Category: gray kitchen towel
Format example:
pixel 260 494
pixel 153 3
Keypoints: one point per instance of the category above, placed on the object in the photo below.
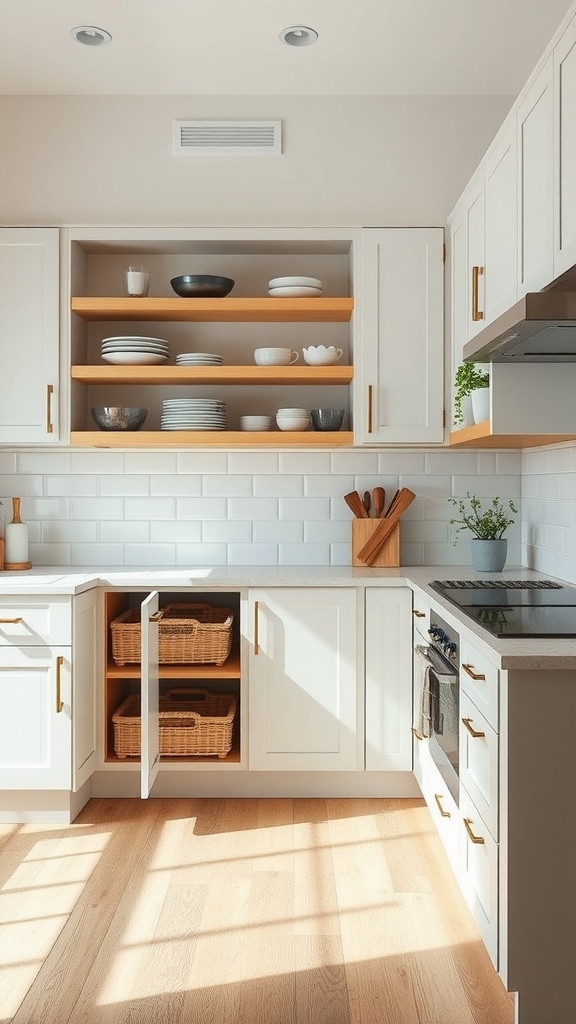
pixel 428 675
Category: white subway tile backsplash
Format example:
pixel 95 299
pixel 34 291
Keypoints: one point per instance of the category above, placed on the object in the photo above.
pixel 411 554
pixel 227 531
pixel 94 462
pixel 51 554
pixel 150 554
pixel 255 508
pixel 227 486
pixel 427 486
pixel 449 463
pixel 58 532
pixel 201 554
pixel 395 463
pixel 179 485
pixel 328 486
pixel 201 508
pixel 41 463
pixel 201 462
pixel 279 530
pixel 152 463
pixel 182 531
pixel 340 554
pixel 257 463
pixel 304 508
pixel 68 486
pixel 252 554
pixel 279 486
pixel 97 554
pixel 487 486
pixel 97 508
pixel 307 463
pixel 124 531
pixel 150 508
pixel 487 464
pixel 22 487
pixel 423 531
pixel 507 463
pixel 304 554
pixel 8 463
pixel 335 531
pixel 353 463
pixel 45 508
pixel 125 485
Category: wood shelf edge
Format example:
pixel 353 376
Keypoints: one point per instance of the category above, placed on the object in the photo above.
pixel 281 375
pixel 226 310
pixel 211 439
pixel 480 436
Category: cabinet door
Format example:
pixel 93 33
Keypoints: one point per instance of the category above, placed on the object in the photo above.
pixel 535 142
pixel 460 289
pixel 500 192
pixel 478 873
pixel 565 150
pixel 85 671
pixel 303 680
pixel 150 675
pixel 29 271
pixel 399 378
pixel 35 724
pixel 476 261
pixel 389 679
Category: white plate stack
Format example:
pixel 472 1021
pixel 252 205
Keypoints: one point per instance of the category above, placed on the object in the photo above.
pixel 193 414
pixel 135 351
pixel 198 359
pixel 294 287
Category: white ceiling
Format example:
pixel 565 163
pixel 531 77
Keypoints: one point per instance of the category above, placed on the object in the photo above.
pixel 231 47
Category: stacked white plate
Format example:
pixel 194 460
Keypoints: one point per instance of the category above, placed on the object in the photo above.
pixel 198 359
pixel 193 414
pixel 135 350
pixel 294 287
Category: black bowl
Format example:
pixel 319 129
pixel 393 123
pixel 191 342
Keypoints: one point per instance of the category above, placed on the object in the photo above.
pixel 194 286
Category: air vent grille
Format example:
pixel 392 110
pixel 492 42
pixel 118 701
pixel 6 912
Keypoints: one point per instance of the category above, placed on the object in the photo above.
pixel 227 137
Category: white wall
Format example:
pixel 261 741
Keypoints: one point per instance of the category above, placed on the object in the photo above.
pixel 549 510
pixel 347 160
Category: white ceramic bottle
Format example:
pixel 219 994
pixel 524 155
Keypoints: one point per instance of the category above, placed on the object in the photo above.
pixel 16 541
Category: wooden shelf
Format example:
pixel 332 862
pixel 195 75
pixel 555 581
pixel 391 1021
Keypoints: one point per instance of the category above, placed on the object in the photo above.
pixel 227 310
pixel 212 438
pixel 212 374
pixel 480 436
pixel 230 670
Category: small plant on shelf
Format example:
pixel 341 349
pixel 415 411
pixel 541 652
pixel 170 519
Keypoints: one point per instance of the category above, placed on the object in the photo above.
pixel 467 378
pixel 486 524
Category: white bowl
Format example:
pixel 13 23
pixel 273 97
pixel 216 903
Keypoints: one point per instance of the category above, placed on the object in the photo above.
pixel 321 355
pixel 295 291
pixel 292 422
pixel 274 356
pixel 255 422
pixel 299 413
pixel 295 282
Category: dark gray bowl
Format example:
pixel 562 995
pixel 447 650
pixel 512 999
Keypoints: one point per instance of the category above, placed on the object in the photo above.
pixel 194 286
pixel 327 419
pixel 121 417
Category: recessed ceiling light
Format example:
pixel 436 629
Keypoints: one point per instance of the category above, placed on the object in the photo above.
pixel 89 35
pixel 298 35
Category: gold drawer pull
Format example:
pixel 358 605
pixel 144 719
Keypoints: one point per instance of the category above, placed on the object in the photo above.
pixel 443 812
pixel 256 641
pixel 417 733
pixel 470 671
pixel 49 394
pixel 471 836
pixel 473 732
pixel 59 702
pixel 369 408
pixel 419 615
pixel 477 314
pixel 11 622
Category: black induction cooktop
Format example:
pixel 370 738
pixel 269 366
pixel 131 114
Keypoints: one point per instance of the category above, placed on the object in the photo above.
pixel 515 608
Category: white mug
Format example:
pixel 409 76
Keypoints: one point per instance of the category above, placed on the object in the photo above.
pixel 320 355
pixel 275 356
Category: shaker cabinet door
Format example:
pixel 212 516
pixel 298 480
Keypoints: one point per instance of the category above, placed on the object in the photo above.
pixel 29 327
pixel 399 379
pixel 565 150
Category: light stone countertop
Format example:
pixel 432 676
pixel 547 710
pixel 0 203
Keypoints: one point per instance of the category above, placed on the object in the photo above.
pixel 537 654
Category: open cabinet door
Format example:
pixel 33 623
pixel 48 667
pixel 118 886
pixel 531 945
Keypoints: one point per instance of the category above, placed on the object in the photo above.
pixel 149 721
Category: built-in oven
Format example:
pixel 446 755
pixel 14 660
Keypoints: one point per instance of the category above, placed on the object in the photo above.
pixel 436 697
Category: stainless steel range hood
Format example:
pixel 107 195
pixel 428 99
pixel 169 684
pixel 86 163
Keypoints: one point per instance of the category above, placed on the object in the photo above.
pixel 541 328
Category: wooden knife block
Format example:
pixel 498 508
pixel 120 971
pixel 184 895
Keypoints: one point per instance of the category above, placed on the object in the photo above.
pixel 389 554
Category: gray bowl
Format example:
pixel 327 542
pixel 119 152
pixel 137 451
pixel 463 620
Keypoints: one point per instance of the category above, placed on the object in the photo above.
pixel 120 417
pixel 327 419
pixel 194 286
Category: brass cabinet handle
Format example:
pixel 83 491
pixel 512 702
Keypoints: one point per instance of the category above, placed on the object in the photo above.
pixel 12 622
pixel 443 812
pixel 49 393
pixel 470 671
pixel 59 702
pixel 369 408
pixel 417 733
pixel 419 615
pixel 471 836
pixel 156 616
pixel 473 732
pixel 477 314
pixel 256 643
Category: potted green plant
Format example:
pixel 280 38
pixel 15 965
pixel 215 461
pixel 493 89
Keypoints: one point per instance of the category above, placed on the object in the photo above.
pixel 489 547
pixel 468 379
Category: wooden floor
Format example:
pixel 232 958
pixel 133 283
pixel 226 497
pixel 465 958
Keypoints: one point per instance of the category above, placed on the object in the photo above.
pixel 239 912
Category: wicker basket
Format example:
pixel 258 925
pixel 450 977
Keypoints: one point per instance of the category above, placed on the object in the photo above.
pixel 190 634
pixel 192 721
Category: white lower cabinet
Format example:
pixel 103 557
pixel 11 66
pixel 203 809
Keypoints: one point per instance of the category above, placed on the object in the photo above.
pixel 304 693
pixel 443 809
pixel 479 762
pixel 478 872
pixel 388 672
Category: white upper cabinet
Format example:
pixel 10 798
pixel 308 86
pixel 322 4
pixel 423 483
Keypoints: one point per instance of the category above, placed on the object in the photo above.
pixel 400 342
pixel 475 258
pixel 29 326
pixel 500 225
pixel 565 149
pixel 535 183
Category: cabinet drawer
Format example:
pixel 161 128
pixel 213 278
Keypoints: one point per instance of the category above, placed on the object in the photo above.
pixel 444 811
pixel 479 679
pixel 421 620
pixel 479 873
pixel 33 621
pixel 479 762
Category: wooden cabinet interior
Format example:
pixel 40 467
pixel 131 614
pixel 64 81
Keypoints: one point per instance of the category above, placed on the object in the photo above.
pixel 121 681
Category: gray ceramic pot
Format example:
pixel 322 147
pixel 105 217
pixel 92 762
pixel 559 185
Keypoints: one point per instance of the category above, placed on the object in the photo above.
pixel 489 555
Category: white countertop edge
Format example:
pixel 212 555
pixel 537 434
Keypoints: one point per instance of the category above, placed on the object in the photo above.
pixel 536 654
